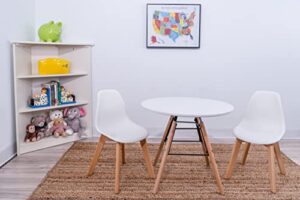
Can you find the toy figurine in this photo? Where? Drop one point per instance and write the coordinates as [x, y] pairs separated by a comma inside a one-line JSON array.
[[50, 32], [44, 96], [31, 134], [66, 96], [39, 100]]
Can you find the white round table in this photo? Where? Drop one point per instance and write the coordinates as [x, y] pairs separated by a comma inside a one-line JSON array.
[[187, 106], [197, 108]]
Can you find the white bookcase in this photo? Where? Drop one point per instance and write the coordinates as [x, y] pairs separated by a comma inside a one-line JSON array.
[[25, 58]]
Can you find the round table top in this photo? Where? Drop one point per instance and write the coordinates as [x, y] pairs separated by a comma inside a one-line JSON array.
[[187, 106]]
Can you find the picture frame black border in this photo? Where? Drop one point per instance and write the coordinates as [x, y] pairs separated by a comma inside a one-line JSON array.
[[173, 47]]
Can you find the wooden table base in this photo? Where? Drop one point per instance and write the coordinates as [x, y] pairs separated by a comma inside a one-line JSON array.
[[203, 138]]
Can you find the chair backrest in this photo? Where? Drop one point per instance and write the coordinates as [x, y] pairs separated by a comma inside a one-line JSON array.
[[265, 113], [110, 110]]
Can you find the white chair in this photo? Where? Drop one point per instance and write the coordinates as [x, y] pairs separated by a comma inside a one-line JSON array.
[[114, 124], [262, 124]]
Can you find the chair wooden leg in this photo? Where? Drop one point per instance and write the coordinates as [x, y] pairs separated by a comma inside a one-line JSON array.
[[234, 154], [279, 159], [161, 145], [272, 168], [147, 158], [123, 154], [118, 167], [247, 147], [212, 159], [96, 155], [164, 158]]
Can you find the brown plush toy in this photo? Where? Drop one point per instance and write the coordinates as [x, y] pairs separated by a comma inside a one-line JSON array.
[[31, 134]]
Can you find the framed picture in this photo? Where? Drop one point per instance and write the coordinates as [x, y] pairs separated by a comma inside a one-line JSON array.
[[173, 25]]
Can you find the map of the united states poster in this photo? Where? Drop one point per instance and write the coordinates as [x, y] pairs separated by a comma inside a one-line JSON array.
[[173, 25]]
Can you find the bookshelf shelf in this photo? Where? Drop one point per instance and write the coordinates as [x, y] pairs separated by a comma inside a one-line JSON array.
[[32, 43], [46, 142], [25, 57], [28, 109], [51, 76]]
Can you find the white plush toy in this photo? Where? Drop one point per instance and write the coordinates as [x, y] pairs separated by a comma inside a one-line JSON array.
[[54, 116]]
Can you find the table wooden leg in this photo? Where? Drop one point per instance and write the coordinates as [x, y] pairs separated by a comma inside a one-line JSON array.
[[202, 142], [161, 145], [165, 155], [205, 151], [212, 159]]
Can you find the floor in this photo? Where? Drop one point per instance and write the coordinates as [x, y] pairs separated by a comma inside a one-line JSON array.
[[21, 176]]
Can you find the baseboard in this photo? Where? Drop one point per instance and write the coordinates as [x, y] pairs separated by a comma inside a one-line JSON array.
[[216, 134], [156, 133], [6, 154]]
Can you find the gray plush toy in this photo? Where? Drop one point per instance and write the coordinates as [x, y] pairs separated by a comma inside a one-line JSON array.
[[74, 121]]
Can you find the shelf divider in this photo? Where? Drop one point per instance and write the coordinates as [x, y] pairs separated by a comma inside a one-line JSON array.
[[33, 76], [47, 142], [28, 109]]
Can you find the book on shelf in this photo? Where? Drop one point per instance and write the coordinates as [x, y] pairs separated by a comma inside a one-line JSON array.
[[54, 86]]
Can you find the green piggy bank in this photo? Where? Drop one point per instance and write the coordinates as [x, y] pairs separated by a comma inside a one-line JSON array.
[[50, 32]]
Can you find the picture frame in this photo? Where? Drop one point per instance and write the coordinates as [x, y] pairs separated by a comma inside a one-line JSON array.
[[173, 25]]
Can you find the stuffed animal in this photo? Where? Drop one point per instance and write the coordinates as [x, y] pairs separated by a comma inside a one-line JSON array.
[[31, 134], [56, 123], [40, 123], [74, 121], [59, 128]]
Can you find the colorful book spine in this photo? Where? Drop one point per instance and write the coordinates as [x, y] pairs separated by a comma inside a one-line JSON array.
[[55, 85], [52, 94], [59, 93]]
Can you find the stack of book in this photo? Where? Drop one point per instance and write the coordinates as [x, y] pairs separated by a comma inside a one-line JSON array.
[[54, 92]]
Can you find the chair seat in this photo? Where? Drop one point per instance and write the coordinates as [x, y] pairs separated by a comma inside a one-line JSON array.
[[124, 132], [255, 136]]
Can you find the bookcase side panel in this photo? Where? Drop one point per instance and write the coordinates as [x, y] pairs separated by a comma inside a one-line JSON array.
[[22, 59], [23, 92]]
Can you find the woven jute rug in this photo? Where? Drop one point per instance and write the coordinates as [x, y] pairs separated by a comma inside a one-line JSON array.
[[184, 177]]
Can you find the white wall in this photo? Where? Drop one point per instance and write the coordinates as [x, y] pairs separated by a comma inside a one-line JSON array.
[[17, 23], [245, 46]]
